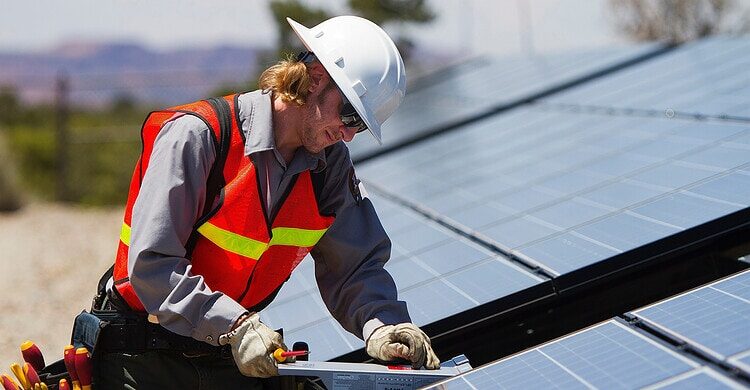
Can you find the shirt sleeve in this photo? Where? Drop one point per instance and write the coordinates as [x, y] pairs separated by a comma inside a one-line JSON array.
[[169, 203], [350, 256]]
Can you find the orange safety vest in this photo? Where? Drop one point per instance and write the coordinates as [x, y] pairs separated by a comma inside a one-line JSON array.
[[235, 246]]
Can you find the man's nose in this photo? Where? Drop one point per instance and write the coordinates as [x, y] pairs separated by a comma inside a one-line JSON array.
[[348, 133]]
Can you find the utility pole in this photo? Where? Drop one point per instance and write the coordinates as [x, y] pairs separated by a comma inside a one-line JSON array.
[[526, 34], [62, 189]]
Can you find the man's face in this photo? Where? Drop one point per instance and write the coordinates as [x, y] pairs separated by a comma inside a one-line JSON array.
[[322, 126]]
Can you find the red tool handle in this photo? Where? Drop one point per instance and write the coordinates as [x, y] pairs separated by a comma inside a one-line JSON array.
[[294, 353], [32, 355], [70, 364], [83, 367], [9, 383]]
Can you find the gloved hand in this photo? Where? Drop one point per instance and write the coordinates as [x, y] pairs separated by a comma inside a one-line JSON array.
[[405, 341], [253, 344]]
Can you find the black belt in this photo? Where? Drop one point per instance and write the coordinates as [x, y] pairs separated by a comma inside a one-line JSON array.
[[132, 333], [125, 330]]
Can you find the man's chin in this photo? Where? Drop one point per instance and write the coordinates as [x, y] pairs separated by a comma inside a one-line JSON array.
[[313, 149]]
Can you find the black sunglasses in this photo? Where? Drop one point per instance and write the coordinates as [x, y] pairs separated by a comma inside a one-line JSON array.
[[349, 116]]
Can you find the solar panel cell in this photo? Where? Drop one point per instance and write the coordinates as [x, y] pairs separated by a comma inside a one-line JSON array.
[[490, 279], [518, 231], [684, 210], [625, 231], [435, 300], [733, 187], [622, 194], [567, 252]]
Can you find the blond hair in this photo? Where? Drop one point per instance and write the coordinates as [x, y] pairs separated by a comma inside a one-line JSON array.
[[288, 79]]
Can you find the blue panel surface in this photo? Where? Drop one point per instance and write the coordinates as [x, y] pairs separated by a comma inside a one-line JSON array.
[[469, 89], [566, 189], [714, 318], [707, 77], [615, 355], [606, 356]]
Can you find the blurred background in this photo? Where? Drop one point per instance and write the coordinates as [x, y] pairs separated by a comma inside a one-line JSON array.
[[78, 77]]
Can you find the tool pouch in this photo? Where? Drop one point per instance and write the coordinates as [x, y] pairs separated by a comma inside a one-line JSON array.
[[86, 331]]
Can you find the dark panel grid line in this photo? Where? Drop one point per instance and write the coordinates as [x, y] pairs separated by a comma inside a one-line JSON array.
[[640, 113], [705, 78]]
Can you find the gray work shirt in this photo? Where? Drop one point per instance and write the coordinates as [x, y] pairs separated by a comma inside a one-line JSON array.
[[349, 258]]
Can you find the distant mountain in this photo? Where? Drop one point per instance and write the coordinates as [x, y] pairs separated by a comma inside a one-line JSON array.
[[99, 73]]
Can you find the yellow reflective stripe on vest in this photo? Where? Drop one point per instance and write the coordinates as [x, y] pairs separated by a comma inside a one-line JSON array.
[[125, 234], [296, 237], [253, 249], [233, 242]]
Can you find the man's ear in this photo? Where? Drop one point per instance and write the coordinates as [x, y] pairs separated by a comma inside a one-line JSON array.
[[318, 77]]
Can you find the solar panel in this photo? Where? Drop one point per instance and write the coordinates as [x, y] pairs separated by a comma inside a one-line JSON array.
[[437, 272], [615, 354], [566, 190], [607, 356], [713, 318], [708, 77], [474, 87]]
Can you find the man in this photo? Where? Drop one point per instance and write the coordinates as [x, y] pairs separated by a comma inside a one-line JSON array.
[[228, 197]]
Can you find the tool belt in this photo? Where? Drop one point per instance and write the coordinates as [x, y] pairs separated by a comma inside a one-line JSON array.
[[111, 326]]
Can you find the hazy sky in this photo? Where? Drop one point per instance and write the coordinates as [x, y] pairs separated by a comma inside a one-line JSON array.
[[467, 26]]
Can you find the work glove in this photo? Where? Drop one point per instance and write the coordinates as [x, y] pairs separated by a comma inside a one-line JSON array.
[[406, 341], [253, 344]]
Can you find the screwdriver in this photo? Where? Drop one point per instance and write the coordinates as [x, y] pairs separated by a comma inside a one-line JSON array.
[[9, 383], [31, 374], [83, 368], [22, 379], [69, 356], [280, 355], [32, 354]]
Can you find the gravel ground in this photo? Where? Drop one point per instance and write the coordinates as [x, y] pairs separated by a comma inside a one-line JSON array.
[[51, 257]]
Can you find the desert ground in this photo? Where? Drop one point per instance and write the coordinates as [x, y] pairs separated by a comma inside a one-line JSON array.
[[51, 258]]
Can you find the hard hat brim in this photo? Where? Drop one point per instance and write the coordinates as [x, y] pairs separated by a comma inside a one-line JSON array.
[[337, 74]]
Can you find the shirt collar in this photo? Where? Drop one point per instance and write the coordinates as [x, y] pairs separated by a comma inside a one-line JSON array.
[[256, 117]]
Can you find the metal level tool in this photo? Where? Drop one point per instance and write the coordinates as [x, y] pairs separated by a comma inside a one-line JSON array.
[[366, 376]]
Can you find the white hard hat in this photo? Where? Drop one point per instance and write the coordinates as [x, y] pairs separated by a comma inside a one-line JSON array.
[[363, 61]]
